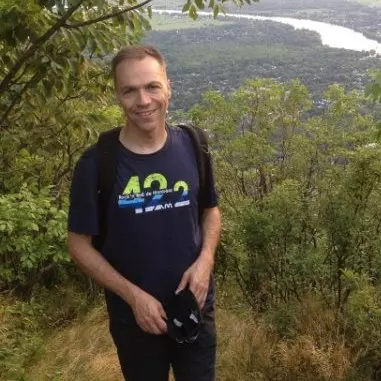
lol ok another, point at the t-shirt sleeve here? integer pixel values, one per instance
(83, 209)
(211, 195)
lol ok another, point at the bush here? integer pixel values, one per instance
(33, 243)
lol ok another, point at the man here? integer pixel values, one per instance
(156, 243)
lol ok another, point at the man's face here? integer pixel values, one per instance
(143, 91)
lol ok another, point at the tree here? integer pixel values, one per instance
(374, 88)
(300, 193)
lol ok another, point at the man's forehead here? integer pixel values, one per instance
(147, 67)
(128, 82)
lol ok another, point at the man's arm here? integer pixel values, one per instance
(197, 276)
(211, 229)
(148, 311)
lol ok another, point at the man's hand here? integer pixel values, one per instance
(197, 278)
(149, 313)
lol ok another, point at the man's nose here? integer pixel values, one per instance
(143, 98)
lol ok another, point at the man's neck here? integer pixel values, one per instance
(143, 142)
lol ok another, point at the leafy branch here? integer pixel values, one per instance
(35, 46)
(62, 23)
(106, 17)
(17, 97)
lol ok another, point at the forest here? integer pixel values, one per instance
(298, 267)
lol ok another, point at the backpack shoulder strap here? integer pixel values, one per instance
(107, 151)
(107, 155)
(200, 143)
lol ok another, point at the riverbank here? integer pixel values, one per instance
(356, 15)
(333, 36)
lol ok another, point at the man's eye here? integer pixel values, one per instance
(154, 87)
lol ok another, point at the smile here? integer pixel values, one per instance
(146, 113)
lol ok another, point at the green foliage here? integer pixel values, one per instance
(374, 89)
(192, 6)
(20, 339)
(363, 323)
(302, 194)
(33, 243)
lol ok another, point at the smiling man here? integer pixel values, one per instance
(158, 241)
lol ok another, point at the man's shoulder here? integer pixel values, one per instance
(178, 136)
(88, 160)
(105, 138)
(89, 154)
(197, 136)
(183, 131)
(176, 129)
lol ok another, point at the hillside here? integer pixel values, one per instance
(361, 15)
(223, 55)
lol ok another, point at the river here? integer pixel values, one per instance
(334, 36)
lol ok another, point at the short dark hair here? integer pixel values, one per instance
(137, 52)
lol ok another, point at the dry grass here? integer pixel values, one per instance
(247, 350)
(83, 351)
(318, 352)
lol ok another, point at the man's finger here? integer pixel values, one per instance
(143, 326)
(203, 300)
(162, 313)
(183, 283)
(155, 330)
(158, 326)
(159, 320)
(195, 292)
(197, 289)
(200, 296)
(162, 325)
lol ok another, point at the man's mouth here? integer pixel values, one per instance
(145, 113)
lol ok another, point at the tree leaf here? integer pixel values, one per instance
(216, 10)
(200, 4)
(100, 4)
(186, 6)
(193, 12)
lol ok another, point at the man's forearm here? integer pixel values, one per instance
(94, 265)
(211, 229)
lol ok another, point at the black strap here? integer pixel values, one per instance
(200, 143)
(107, 156)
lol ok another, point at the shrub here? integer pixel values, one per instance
(33, 235)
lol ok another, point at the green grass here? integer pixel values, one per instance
(168, 23)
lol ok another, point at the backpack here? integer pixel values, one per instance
(107, 152)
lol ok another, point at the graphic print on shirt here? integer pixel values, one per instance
(153, 196)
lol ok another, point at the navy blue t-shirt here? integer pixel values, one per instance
(153, 232)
